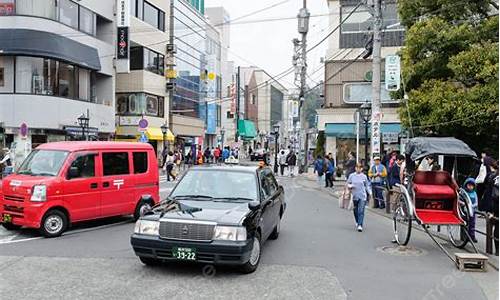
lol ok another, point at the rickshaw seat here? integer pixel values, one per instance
(433, 185)
(438, 217)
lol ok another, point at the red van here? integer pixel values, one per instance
(66, 182)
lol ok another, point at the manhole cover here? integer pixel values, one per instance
(401, 250)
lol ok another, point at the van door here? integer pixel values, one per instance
(81, 191)
(116, 183)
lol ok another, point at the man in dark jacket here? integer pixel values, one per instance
(292, 162)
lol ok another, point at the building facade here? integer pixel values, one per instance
(140, 90)
(348, 80)
(56, 64)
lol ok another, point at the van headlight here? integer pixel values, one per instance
(39, 193)
(147, 227)
(230, 233)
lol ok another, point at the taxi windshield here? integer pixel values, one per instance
(217, 184)
(43, 163)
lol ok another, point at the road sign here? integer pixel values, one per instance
(392, 72)
(143, 138)
(143, 125)
(23, 130)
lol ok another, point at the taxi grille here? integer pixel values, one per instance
(13, 198)
(186, 231)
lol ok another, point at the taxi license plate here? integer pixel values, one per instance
(183, 253)
(6, 218)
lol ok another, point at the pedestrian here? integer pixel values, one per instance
(484, 172)
(350, 165)
(489, 188)
(494, 214)
(330, 169)
(250, 151)
(164, 154)
(282, 162)
(225, 153)
(359, 185)
(394, 178)
(320, 168)
(378, 174)
(169, 165)
(470, 188)
(206, 155)
(217, 154)
(429, 164)
(292, 162)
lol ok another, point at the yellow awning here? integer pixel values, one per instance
(155, 134)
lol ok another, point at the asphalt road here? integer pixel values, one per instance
(318, 255)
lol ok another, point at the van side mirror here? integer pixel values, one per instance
(73, 172)
(253, 205)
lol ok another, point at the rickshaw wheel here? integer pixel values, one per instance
(402, 221)
(458, 233)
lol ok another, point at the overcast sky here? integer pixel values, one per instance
(268, 45)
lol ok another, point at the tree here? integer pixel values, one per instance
(320, 144)
(450, 70)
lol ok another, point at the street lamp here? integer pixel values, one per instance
(365, 112)
(164, 130)
(222, 132)
(276, 133)
(83, 121)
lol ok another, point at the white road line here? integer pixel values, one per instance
(21, 240)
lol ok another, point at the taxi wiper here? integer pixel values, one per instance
(193, 197)
(231, 199)
(42, 174)
(26, 172)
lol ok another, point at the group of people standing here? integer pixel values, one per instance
(325, 167)
(287, 159)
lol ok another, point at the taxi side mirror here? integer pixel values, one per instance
(253, 205)
(73, 172)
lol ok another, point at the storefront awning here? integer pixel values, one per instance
(49, 45)
(155, 134)
(348, 130)
(246, 129)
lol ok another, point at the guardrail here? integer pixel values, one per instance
(489, 234)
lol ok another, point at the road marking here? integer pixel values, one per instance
(21, 240)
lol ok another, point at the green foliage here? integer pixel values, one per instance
(450, 70)
(320, 144)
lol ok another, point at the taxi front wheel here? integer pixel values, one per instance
(54, 223)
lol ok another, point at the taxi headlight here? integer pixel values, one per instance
(147, 227)
(39, 193)
(230, 233)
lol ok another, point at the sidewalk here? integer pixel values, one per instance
(311, 182)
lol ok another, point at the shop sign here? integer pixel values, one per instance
(390, 137)
(23, 130)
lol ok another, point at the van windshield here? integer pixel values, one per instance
(43, 163)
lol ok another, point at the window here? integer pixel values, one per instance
(39, 8)
(148, 13)
(115, 163)
(144, 59)
(87, 21)
(84, 89)
(43, 162)
(140, 162)
(360, 92)
(7, 7)
(68, 13)
(85, 165)
(67, 80)
(6, 74)
(137, 104)
(161, 21)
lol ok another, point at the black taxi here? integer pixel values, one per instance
(214, 215)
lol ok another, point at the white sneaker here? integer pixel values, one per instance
(360, 228)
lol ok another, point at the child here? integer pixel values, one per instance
(470, 188)
(360, 188)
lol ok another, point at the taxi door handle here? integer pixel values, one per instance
(105, 184)
(93, 185)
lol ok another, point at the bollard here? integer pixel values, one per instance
(489, 235)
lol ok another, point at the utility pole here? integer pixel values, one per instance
(237, 117)
(376, 106)
(303, 28)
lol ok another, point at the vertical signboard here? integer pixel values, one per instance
(122, 38)
(376, 120)
(233, 98)
(392, 72)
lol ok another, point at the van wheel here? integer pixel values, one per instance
(54, 223)
(10, 226)
(141, 209)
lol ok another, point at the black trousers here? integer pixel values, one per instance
(282, 169)
(328, 180)
(170, 167)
